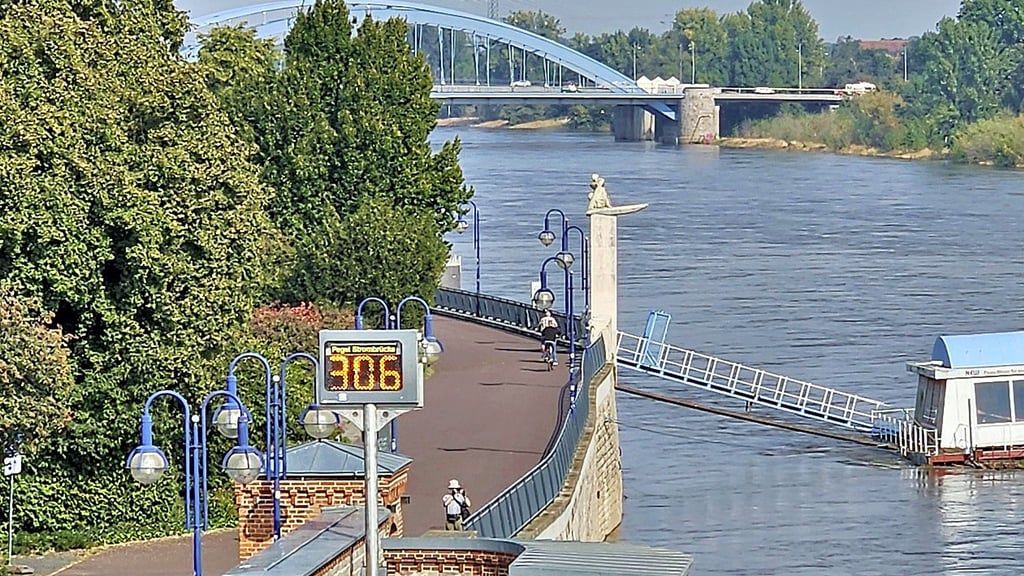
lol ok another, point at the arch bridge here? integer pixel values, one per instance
(459, 35)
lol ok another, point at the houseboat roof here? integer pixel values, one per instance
(979, 350)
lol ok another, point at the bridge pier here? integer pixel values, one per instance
(669, 131)
(632, 123)
(700, 118)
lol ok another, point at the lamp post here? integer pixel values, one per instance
(635, 48)
(693, 62)
(430, 347)
(547, 237)
(242, 463)
(544, 298)
(226, 420)
(460, 227)
(383, 304)
(800, 66)
(584, 265)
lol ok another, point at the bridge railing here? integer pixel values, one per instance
(515, 507)
(499, 312)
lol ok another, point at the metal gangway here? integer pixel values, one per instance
(892, 428)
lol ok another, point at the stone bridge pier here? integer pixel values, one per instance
(699, 120)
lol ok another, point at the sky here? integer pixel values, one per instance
(864, 19)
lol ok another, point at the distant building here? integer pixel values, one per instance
(893, 46)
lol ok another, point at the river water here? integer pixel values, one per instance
(825, 268)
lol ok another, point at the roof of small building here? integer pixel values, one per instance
(980, 350)
(334, 459)
(543, 557)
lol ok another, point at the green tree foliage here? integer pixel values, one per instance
(35, 370)
(848, 62)
(703, 45)
(128, 211)
(775, 43)
(344, 125)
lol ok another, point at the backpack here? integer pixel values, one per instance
(463, 508)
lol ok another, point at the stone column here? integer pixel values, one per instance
(604, 261)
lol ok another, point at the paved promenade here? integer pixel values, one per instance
(489, 411)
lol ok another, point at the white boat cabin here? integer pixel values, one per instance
(972, 394)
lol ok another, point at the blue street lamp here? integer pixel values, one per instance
(430, 347)
(584, 264)
(460, 227)
(544, 298)
(242, 463)
(226, 420)
(359, 312)
(564, 258)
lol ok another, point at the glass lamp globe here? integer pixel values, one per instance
(546, 237)
(226, 419)
(564, 260)
(147, 464)
(543, 298)
(461, 226)
(431, 351)
(243, 464)
(319, 422)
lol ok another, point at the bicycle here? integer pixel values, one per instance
(549, 354)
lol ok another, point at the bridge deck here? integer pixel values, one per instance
(489, 411)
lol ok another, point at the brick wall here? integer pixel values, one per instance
(302, 499)
(448, 562)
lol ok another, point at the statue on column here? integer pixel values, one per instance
(601, 204)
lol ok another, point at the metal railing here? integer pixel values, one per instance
(502, 312)
(517, 506)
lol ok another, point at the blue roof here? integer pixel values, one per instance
(980, 350)
(334, 459)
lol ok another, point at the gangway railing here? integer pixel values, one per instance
(789, 395)
(749, 384)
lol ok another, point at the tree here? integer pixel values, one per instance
(775, 43)
(703, 46)
(35, 370)
(126, 208)
(348, 126)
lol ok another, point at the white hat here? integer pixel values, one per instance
(453, 484)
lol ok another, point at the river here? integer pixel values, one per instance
(832, 269)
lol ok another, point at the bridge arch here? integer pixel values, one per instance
(274, 20)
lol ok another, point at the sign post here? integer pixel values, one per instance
(371, 377)
(12, 467)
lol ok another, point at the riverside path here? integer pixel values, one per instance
(490, 408)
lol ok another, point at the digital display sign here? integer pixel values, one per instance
(370, 367)
(364, 367)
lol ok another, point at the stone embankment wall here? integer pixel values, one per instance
(589, 508)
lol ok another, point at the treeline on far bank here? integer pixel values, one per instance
(878, 123)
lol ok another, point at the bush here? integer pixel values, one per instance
(999, 141)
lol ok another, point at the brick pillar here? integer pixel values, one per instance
(302, 499)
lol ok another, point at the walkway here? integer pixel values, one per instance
(489, 411)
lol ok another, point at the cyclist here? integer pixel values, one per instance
(549, 333)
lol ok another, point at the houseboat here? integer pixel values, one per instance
(970, 395)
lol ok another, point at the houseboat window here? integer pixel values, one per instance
(1018, 400)
(993, 400)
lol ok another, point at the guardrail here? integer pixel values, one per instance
(499, 312)
(517, 506)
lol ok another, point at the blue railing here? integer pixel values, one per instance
(500, 312)
(510, 511)
(515, 507)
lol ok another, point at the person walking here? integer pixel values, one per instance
(456, 506)
(549, 333)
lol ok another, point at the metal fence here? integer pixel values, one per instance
(515, 507)
(495, 311)
(510, 511)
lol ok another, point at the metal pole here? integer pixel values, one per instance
(800, 66)
(193, 477)
(693, 62)
(370, 471)
(572, 327)
(476, 246)
(10, 524)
